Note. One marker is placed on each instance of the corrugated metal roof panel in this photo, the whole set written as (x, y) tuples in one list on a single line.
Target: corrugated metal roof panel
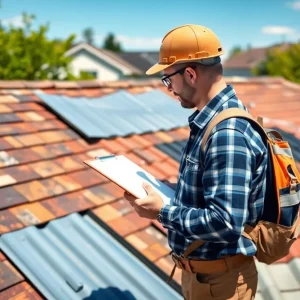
[(174, 149), (74, 258), (279, 281), (119, 114)]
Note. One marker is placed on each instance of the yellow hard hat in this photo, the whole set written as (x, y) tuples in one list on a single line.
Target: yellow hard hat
[(188, 43)]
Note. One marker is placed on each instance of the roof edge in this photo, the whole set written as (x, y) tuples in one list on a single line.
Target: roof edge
[(86, 84), (115, 58)]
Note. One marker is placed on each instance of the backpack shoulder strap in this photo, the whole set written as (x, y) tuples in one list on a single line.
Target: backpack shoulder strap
[(223, 115)]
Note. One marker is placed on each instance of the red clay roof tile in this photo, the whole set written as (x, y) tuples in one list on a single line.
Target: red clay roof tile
[(31, 116), (32, 214), (128, 143), (114, 190), (69, 163), (9, 276), (2, 257), (5, 109), (135, 158), (29, 139), (4, 144), (58, 149), (107, 213), (6, 180), (87, 178), (13, 142), (21, 291), (122, 226), (9, 118), (146, 155), (33, 190), (8, 99), (99, 194), (67, 182), (155, 251), (29, 107), (113, 146), (122, 206), (25, 155), (8, 222), (73, 202), (140, 223), (10, 197), (46, 168)]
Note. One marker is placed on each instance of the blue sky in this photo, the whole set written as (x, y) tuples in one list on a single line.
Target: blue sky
[(140, 25)]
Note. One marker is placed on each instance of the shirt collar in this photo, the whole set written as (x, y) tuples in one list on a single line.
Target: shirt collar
[(201, 118)]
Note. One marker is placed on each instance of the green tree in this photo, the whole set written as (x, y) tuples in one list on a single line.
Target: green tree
[(235, 50), (29, 55), (111, 43), (285, 63), (88, 36)]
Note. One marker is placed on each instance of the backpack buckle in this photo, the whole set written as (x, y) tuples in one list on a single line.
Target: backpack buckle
[(293, 188)]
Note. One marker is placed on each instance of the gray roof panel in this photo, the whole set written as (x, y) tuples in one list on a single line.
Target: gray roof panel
[(174, 149), (119, 114), (74, 258), (141, 60)]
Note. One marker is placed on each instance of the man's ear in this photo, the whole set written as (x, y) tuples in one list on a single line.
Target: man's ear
[(191, 74)]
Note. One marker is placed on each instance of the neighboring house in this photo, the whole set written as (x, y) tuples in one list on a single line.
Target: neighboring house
[(242, 63), (142, 60), (102, 64), (66, 232)]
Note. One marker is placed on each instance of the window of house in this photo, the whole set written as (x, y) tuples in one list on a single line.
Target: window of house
[(89, 73)]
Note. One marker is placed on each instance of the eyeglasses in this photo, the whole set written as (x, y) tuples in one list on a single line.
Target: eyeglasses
[(166, 79)]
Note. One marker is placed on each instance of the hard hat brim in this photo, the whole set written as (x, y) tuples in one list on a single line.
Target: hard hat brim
[(157, 68), (204, 61)]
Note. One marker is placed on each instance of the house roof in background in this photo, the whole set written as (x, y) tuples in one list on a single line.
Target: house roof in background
[(250, 58), (141, 60), (103, 54), (43, 177)]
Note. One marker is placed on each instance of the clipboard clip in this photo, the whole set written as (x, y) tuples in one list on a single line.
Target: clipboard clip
[(103, 158)]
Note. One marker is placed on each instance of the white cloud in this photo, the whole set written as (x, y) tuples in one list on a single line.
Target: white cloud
[(139, 42), (294, 5), (134, 43), (16, 21), (278, 30)]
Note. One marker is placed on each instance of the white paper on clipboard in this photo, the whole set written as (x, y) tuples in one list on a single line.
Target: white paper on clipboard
[(130, 176)]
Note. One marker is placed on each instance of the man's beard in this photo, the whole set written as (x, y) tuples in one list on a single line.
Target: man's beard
[(184, 102), (186, 96)]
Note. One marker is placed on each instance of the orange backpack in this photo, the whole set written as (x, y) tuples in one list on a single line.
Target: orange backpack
[(280, 223)]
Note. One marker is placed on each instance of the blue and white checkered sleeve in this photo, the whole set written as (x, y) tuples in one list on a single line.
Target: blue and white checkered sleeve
[(227, 182)]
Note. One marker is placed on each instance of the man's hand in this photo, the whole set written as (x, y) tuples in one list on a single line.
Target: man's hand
[(149, 206)]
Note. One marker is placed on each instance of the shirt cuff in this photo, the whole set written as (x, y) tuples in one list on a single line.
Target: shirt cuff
[(166, 213)]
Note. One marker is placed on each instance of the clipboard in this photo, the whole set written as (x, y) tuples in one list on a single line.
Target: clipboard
[(129, 176)]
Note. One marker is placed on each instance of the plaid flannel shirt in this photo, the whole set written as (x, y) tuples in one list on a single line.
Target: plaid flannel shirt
[(214, 202)]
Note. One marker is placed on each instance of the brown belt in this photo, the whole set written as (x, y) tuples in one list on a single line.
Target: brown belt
[(211, 266)]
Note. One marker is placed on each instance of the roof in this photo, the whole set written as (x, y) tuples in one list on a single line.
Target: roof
[(141, 60), (119, 114), (43, 177), (250, 58), (109, 56), (74, 258)]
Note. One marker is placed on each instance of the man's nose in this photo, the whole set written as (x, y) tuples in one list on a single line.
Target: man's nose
[(170, 88)]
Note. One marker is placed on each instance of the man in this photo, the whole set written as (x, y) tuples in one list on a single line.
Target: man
[(218, 190)]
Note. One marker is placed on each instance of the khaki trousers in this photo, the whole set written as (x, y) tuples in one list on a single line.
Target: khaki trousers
[(235, 284)]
